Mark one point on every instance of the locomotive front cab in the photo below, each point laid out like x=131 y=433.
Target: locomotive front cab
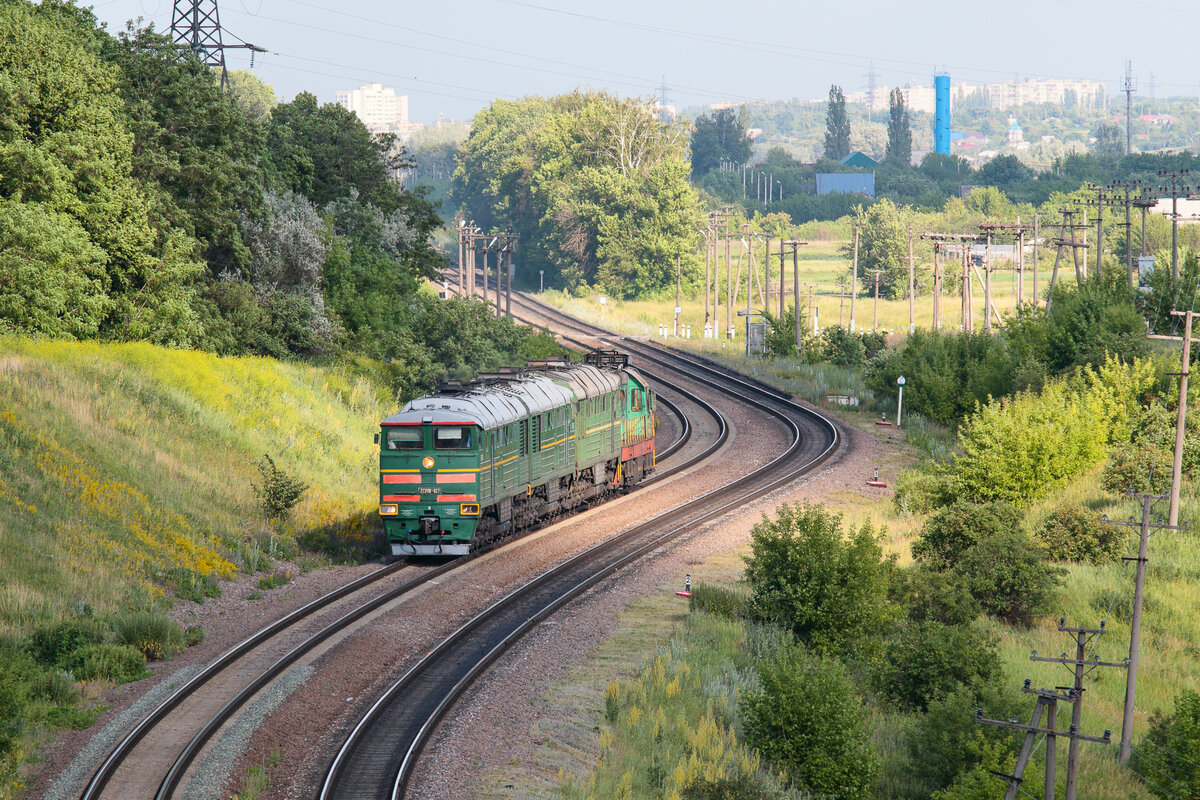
x=429 y=484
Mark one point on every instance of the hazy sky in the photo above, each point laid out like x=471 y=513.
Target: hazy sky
x=453 y=58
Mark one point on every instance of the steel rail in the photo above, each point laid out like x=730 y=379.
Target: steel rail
x=420 y=737
x=175 y=773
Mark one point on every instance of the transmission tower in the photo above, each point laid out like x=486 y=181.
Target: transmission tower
x=196 y=24
x=872 y=76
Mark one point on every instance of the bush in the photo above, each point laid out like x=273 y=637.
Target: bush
x=1171 y=749
x=952 y=530
x=1010 y=577
x=808 y=719
x=279 y=492
x=829 y=589
x=274 y=579
x=842 y=348
x=193 y=635
x=929 y=660
x=737 y=787
x=931 y=596
x=153 y=635
x=1133 y=466
x=919 y=491
x=119 y=663
x=53 y=642
x=719 y=601
x=1074 y=533
x=191 y=585
x=946 y=741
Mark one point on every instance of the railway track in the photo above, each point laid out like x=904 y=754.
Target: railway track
x=153 y=758
x=378 y=757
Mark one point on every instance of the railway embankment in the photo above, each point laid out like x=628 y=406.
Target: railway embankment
x=132 y=525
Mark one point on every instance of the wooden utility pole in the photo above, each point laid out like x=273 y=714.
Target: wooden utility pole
x=912 y=325
x=678 y=290
x=766 y=289
x=987 y=284
x=795 y=245
x=729 y=279
x=707 y=273
x=875 y=319
x=1047 y=700
x=1068 y=223
x=509 y=246
x=1036 y=232
x=854 y=274
x=460 y=228
x=937 y=288
x=1181 y=416
x=965 y=286
x=1135 y=628
x=1177 y=188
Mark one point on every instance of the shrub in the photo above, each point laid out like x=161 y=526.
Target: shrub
x=927 y=661
x=193 y=635
x=274 y=579
x=53 y=642
x=808 y=576
x=153 y=635
x=808 y=719
x=1171 y=749
x=931 y=596
x=1137 y=466
x=279 y=492
x=119 y=663
x=842 y=348
x=1010 y=577
x=737 y=787
x=191 y=585
x=952 y=530
x=946 y=741
x=1074 y=533
x=720 y=601
x=919 y=491
x=1023 y=448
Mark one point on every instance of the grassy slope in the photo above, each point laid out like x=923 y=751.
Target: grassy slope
x=124 y=463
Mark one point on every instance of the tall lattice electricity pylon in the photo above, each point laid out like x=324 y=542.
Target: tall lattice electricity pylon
x=196 y=24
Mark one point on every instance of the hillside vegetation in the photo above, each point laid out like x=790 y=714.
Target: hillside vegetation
x=127 y=475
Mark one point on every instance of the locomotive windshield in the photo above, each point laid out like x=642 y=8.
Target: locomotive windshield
x=407 y=438
x=452 y=437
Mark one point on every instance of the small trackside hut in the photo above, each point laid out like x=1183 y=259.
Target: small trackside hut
x=473 y=462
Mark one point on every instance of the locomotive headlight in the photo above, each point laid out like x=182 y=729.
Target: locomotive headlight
x=469 y=509
x=388 y=509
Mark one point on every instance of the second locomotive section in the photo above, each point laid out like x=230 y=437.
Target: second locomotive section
x=473 y=462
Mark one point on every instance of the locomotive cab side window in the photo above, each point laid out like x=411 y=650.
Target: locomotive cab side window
x=452 y=437
x=637 y=399
x=410 y=437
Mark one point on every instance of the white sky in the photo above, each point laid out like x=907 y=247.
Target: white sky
x=452 y=57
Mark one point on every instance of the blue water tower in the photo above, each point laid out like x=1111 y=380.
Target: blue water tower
x=941 y=125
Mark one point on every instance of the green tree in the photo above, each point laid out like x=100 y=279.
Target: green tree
x=927 y=661
x=899 y=130
x=837 y=126
x=951 y=531
x=808 y=719
x=827 y=586
x=1109 y=141
x=193 y=148
x=67 y=159
x=252 y=94
x=720 y=134
x=883 y=245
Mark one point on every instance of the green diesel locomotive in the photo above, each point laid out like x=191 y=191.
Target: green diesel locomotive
x=473 y=462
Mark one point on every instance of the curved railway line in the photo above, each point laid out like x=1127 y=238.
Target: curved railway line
x=378 y=757
x=153 y=758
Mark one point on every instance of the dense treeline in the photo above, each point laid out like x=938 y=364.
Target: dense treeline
x=139 y=201
x=595 y=186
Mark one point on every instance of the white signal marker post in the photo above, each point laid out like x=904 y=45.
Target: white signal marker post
x=900 y=400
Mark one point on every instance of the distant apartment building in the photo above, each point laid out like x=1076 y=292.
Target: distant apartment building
x=379 y=108
x=1000 y=96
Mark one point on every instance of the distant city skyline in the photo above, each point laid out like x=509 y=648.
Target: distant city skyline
x=451 y=60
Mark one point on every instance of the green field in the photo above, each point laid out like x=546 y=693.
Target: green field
x=821 y=265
